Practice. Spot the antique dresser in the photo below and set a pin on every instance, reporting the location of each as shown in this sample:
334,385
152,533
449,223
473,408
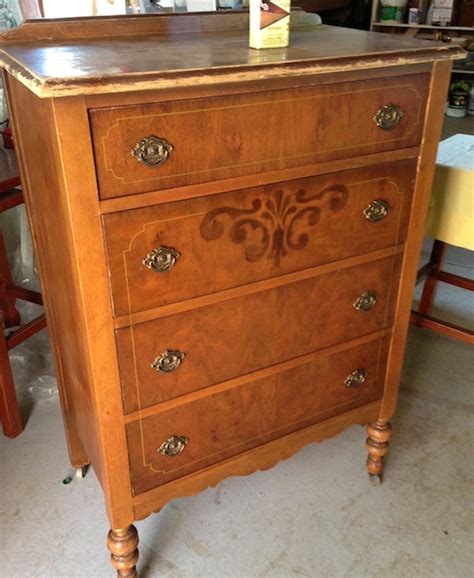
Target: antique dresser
227,239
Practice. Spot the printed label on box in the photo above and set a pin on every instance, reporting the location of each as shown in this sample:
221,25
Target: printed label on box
269,23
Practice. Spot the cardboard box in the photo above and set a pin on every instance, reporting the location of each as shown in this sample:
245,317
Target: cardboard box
442,16
443,3
269,23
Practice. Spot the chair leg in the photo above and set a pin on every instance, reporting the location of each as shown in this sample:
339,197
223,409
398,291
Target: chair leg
9,411
431,281
11,316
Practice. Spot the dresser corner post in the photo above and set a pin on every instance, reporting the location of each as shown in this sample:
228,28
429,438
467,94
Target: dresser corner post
377,444
123,546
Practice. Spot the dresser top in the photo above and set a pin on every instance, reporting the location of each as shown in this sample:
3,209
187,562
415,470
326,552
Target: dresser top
100,55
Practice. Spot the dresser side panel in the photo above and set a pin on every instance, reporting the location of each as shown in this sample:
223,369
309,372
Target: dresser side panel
58,178
34,140
438,90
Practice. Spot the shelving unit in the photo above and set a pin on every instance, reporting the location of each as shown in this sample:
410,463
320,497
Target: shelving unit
455,34
422,27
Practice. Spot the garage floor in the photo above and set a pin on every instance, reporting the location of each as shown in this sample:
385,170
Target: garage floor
315,515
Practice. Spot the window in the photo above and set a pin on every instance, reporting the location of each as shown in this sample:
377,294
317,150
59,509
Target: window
62,9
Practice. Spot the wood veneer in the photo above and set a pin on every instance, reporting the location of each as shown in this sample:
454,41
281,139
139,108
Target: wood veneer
257,306
252,413
245,236
252,133
227,339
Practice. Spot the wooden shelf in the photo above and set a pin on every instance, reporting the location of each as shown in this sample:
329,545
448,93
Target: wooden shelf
424,26
462,71
406,30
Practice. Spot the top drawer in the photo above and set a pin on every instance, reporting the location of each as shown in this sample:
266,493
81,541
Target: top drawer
147,147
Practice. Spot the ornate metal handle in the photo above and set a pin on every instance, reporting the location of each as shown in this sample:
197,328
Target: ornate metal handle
388,116
173,446
162,259
366,301
377,211
152,151
356,378
168,361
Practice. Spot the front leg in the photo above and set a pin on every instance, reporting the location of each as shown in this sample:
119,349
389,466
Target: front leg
124,552
377,443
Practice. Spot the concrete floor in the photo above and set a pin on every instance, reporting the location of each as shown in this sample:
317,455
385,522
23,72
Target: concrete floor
314,515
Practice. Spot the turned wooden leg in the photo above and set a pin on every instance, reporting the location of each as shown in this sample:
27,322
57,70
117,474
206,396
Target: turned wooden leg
124,552
377,444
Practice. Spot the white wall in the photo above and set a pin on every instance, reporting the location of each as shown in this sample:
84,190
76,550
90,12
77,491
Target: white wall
62,9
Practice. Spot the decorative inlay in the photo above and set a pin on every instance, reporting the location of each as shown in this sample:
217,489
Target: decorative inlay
284,222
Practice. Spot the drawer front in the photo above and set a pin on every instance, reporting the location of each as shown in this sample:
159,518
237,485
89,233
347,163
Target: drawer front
149,147
245,334
215,427
228,240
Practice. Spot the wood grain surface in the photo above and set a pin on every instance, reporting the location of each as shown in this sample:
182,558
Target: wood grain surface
229,136
58,180
424,178
106,55
227,423
262,198
258,458
246,236
245,334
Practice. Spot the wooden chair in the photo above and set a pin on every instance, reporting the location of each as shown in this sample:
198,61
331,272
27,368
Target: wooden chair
11,196
433,273
450,221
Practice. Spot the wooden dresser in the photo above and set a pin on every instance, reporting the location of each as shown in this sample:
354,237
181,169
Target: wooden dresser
227,239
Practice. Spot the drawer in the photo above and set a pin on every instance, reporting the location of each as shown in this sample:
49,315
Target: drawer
245,334
227,240
218,426
162,145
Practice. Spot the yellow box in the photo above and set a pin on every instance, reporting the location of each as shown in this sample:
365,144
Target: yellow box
269,23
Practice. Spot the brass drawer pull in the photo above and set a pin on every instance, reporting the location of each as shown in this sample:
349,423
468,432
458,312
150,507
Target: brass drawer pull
173,446
356,378
376,211
162,259
388,116
152,151
168,361
366,301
